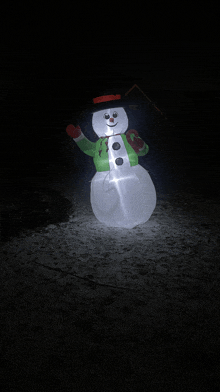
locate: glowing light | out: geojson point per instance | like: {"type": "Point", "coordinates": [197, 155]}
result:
{"type": "Point", "coordinates": [122, 192]}
{"type": "Point", "coordinates": [125, 195]}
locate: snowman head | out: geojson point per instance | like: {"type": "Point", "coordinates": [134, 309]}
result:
{"type": "Point", "coordinates": [108, 122]}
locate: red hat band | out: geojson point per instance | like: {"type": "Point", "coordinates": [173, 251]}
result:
{"type": "Point", "coordinates": [106, 98]}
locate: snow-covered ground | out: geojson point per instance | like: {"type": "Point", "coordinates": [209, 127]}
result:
{"type": "Point", "coordinates": [87, 306]}
{"type": "Point", "coordinates": [174, 236]}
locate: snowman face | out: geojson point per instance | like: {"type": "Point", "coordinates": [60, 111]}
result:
{"type": "Point", "coordinates": [109, 122]}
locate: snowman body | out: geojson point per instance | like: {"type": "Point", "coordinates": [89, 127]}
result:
{"type": "Point", "coordinates": [123, 196]}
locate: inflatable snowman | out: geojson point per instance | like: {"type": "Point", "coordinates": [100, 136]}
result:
{"type": "Point", "coordinates": [122, 192]}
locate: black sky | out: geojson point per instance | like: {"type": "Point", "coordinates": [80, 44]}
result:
{"type": "Point", "coordinates": [158, 43]}
{"type": "Point", "coordinates": [54, 59]}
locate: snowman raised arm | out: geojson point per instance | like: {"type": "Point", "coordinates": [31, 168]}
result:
{"type": "Point", "coordinates": [122, 192]}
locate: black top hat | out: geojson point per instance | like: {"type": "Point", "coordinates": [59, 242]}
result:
{"type": "Point", "coordinates": [109, 100]}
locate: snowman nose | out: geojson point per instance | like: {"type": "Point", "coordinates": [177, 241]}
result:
{"type": "Point", "coordinates": [111, 119]}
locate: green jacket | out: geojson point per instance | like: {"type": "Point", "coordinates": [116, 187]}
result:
{"type": "Point", "coordinates": [100, 159]}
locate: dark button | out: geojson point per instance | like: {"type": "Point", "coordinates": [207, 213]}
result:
{"type": "Point", "coordinates": [116, 146]}
{"type": "Point", "coordinates": [119, 161]}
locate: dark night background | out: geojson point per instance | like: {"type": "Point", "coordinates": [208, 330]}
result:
{"type": "Point", "coordinates": [54, 60]}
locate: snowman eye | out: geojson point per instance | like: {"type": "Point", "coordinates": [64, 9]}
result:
{"type": "Point", "coordinates": [106, 116]}
{"type": "Point", "coordinates": [115, 114]}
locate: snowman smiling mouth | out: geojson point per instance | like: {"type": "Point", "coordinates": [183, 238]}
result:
{"type": "Point", "coordinates": [112, 125]}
